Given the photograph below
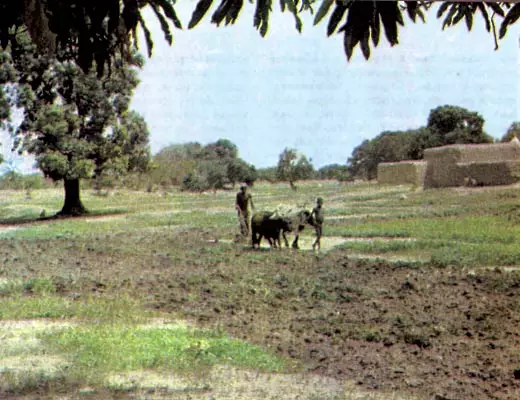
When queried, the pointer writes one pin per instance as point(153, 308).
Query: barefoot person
point(319, 217)
point(243, 200)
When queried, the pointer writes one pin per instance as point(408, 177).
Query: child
point(319, 217)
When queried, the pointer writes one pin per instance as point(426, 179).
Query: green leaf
point(388, 12)
point(164, 24)
point(469, 18)
point(170, 13)
point(460, 14)
point(511, 17)
point(365, 47)
point(411, 9)
point(292, 8)
point(221, 12)
point(496, 8)
point(228, 10)
point(261, 18)
point(234, 10)
point(485, 15)
point(421, 15)
point(449, 17)
point(199, 12)
point(336, 17)
point(357, 27)
point(442, 9)
point(323, 11)
point(399, 17)
point(147, 36)
point(375, 25)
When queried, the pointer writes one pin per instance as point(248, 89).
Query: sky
point(298, 90)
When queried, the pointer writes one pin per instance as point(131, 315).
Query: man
point(319, 218)
point(243, 200)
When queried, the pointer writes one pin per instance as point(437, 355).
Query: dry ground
point(365, 329)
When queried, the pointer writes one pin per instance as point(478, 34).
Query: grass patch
point(98, 350)
point(9, 287)
point(106, 309)
point(385, 246)
point(472, 255)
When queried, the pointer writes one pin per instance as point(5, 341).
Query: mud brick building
point(458, 165)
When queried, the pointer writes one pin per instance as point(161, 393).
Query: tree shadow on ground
point(32, 219)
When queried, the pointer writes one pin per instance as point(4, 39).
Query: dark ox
point(266, 224)
point(263, 224)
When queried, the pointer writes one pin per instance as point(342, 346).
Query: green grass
point(474, 229)
point(104, 309)
point(440, 221)
point(88, 272)
point(98, 350)
point(108, 336)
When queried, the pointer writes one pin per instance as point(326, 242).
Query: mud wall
point(458, 165)
point(401, 173)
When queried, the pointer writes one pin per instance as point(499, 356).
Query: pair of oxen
point(273, 225)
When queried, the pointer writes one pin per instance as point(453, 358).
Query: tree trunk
point(293, 186)
point(72, 205)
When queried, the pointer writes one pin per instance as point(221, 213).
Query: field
point(414, 295)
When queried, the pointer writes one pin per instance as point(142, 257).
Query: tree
point(334, 171)
point(132, 153)
point(200, 168)
point(219, 164)
point(293, 166)
point(450, 125)
point(223, 150)
point(512, 132)
point(76, 125)
point(95, 33)
point(173, 163)
point(268, 174)
point(386, 147)
point(240, 171)
point(214, 173)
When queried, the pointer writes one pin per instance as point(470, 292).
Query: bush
point(16, 181)
point(194, 182)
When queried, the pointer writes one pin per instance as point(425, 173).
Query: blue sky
point(297, 90)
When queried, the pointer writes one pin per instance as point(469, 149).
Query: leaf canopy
point(93, 32)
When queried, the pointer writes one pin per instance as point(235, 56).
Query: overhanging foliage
point(93, 33)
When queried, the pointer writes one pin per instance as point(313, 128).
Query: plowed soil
point(437, 333)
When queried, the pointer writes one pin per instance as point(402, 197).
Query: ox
point(272, 225)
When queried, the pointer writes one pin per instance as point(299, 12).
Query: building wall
point(485, 164)
point(401, 173)
point(457, 165)
point(490, 174)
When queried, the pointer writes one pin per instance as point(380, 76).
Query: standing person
point(319, 217)
point(243, 200)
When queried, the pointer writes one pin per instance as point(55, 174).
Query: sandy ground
point(21, 357)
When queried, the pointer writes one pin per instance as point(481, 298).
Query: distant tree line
point(446, 125)
point(196, 167)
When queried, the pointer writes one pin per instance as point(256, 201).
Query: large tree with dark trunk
point(76, 125)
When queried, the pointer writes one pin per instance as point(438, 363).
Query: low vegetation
point(411, 291)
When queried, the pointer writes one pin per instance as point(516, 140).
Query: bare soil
point(443, 334)
point(435, 333)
